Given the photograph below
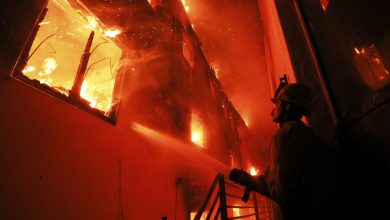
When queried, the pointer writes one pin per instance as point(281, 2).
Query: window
point(352, 39)
point(74, 57)
point(197, 131)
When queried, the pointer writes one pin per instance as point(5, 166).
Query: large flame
point(197, 131)
point(59, 45)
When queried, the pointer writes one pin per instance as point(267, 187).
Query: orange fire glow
point(236, 212)
point(324, 4)
point(57, 48)
point(92, 23)
point(246, 119)
point(357, 51)
point(203, 217)
point(112, 33)
point(186, 7)
point(216, 69)
point(197, 132)
point(253, 171)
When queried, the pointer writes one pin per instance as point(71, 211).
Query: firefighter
point(296, 176)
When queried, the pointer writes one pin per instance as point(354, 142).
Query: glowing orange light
point(92, 23)
point(324, 4)
point(236, 212)
point(48, 66)
point(253, 171)
point(86, 94)
point(112, 33)
point(28, 69)
point(59, 45)
point(357, 50)
point(186, 7)
point(44, 22)
point(216, 69)
point(203, 217)
point(246, 120)
point(197, 131)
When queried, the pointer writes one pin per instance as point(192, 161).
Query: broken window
point(74, 57)
point(370, 64)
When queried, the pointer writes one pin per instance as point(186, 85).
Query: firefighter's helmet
point(295, 93)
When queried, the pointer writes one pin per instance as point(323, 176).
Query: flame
point(246, 120)
point(196, 131)
point(85, 93)
point(216, 69)
point(44, 22)
point(357, 50)
point(56, 61)
point(48, 66)
point(48, 81)
point(112, 33)
point(28, 69)
point(186, 7)
point(253, 171)
point(324, 4)
point(203, 217)
point(92, 23)
point(236, 212)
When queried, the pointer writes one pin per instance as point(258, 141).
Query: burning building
point(139, 76)
point(119, 109)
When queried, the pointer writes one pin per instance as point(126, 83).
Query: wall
point(351, 111)
point(60, 162)
point(278, 57)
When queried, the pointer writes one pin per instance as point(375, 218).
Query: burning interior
point(60, 61)
point(147, 56)
point(74, 56)
point(184, 86)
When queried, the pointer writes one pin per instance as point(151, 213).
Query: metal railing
point(218, 196)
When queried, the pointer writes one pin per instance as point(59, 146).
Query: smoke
point(231, 33)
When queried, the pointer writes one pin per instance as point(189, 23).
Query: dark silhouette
point(298, 173)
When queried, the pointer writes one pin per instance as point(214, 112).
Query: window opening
point(197, 131)
point(75, 57)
